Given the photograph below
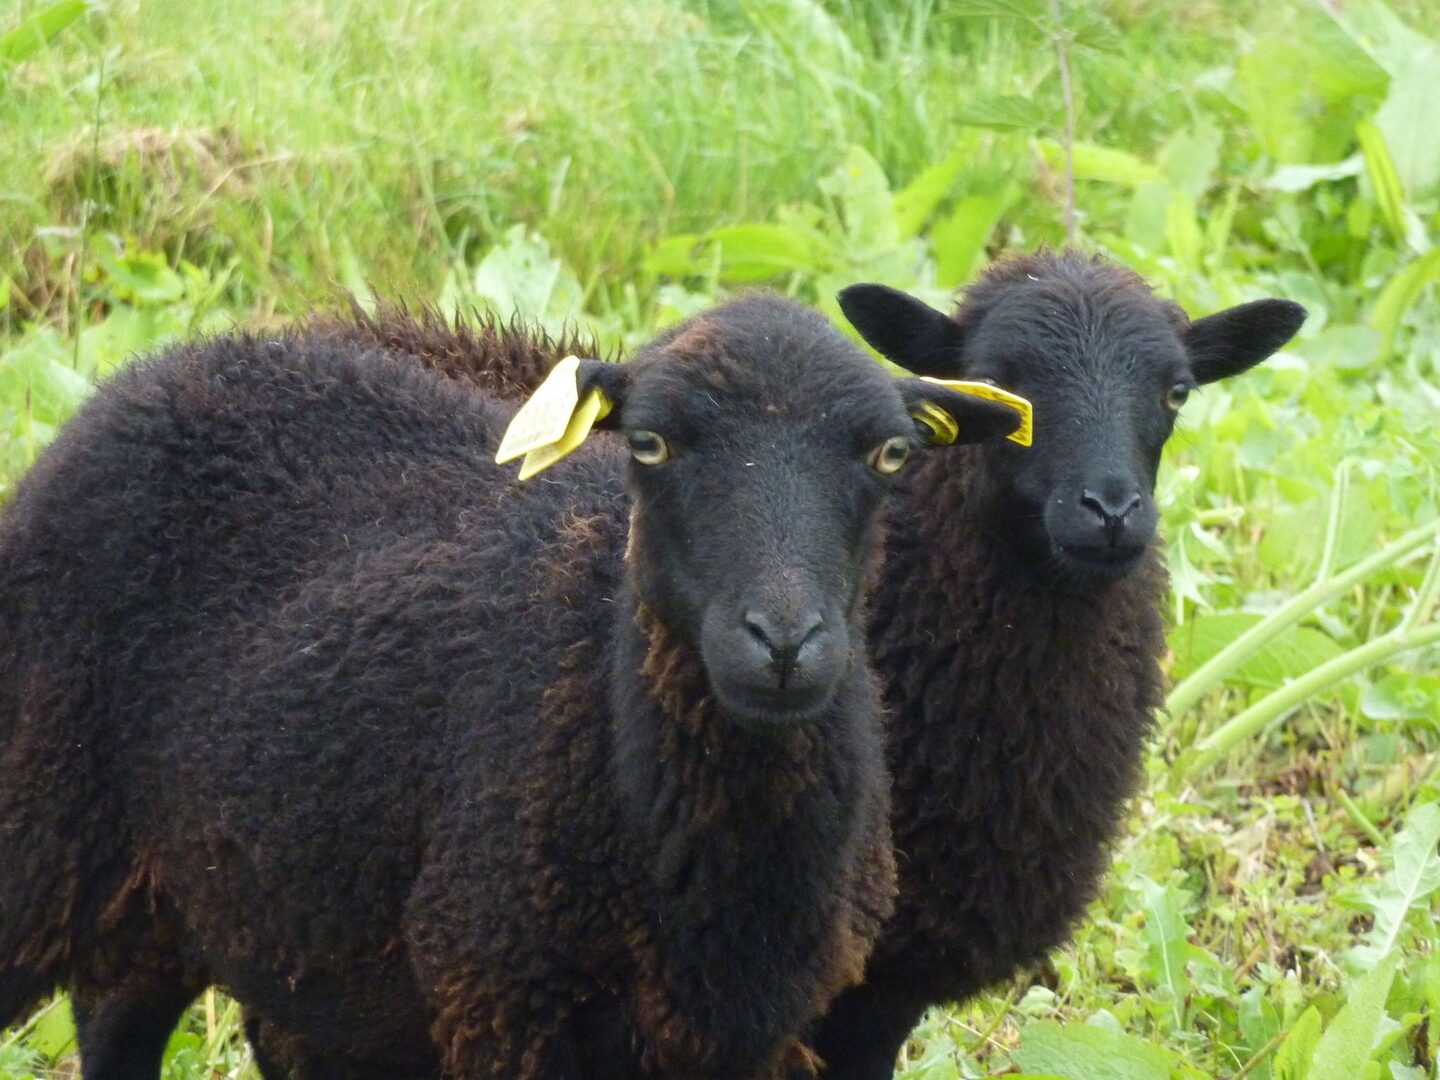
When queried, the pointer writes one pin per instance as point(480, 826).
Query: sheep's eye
point(890, 455)
point(1176, 396)
point(648, 448)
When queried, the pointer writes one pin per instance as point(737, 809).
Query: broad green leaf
point(1004, 112)
point(917, 200)
point(1147, 218)
point(519, 276)
point(960, 238)
point(1345, 1047)
point(1414, 874)
point(1293, 178)
point(1406, 119)
point(1182, 232)
point(39, 373)
point(1103, 163)
point(751, 253)
point(1380, 32)
point(1401, 696)
point(1274, 100)
point(1292, 1060)
point(1344, 346)
point(1190, 157)
point(53, 1033)
point(1287, 657)
point(1086, 1052)
point(142, 278)
point(1259, 1024)
point(33, 33)
point(862, 193)
point(1186, 579)
point(683, 255)
point(1165, 935)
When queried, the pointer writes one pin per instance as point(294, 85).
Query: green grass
point(174, 167)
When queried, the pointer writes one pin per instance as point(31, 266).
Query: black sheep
point(1016, 625)
point(301, 696)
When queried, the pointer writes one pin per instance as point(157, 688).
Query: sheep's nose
point(786, 641)
point(1111, 511)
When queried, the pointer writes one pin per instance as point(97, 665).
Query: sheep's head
point(1107, 366)
point(762, 443)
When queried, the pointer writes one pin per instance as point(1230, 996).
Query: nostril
point(1093, 504)
point(1134, 502)
point(760, 629)
point(813, 625)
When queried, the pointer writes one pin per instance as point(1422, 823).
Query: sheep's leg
point(278, 1057)
point(20, 989)
point(122, 1034)
point(266, 1060)
point(861, 1036)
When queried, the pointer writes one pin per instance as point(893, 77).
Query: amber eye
point(1176, 396)
point(648, 448)
point(890, 455)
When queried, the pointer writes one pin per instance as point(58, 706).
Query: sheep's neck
point(1019, 714)
point(745, 844)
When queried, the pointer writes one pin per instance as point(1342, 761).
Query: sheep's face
point(763, 443)
point(1107, 367)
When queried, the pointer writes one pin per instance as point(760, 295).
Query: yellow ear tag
point(1021, 434)
point(553, 422)
point(943, 428)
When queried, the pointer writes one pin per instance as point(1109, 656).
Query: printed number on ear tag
point(1021, 434)
point(553, 422)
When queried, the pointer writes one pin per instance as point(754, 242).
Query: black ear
point(1238, 338)
point(904, 329)
point(975, 419)
point(612, 380)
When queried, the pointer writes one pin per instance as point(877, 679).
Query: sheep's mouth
point(1103, 562)
point(772, 712)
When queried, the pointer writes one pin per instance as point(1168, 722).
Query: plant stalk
point(1256, 718)
point(1062, 54)
point(1220, 666)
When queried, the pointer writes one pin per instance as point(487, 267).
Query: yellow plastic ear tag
point(553, 422)
point(1021, 434)
point(943, 428)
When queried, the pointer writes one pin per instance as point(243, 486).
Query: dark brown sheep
point(302, 696)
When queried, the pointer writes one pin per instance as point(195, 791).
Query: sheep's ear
point(575, 397)
point(945, 417)
point(611, 380)
point(1238, 338)
point(904, 329)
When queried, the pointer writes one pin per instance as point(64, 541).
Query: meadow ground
point(174, 166)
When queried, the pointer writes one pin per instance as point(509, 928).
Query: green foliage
point(25, 40)
point(1402, 895)
point(1095, 1052)
point(617, 167)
